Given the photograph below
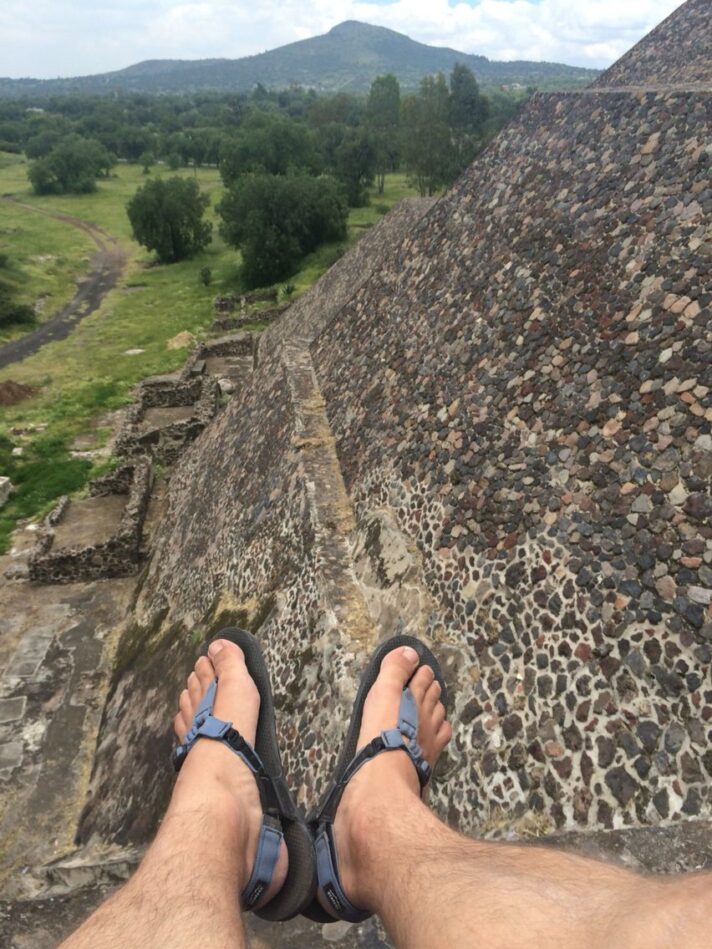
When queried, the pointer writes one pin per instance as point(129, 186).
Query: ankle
point(376, 818)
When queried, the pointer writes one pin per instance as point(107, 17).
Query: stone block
point(12, 710)
point(10, 755)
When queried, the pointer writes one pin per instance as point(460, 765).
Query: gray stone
point(10, 755)
point(675, 738)
point(700, 595)
point(11, 710)
point(6, 489)
point(623, 786)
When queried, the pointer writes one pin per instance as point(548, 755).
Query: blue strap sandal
point(402, 737)
point(281, 818)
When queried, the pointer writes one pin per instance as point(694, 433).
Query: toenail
point(410, 654)
point(214, 648)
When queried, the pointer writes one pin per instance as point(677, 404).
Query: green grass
point(46, 256)
point(40, 477)
point(89, 373)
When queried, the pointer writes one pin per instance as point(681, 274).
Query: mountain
point(347, 58)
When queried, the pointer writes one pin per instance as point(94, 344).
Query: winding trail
point(107, 265)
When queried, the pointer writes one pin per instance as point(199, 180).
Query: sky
point(50, 38)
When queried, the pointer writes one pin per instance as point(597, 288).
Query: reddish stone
point(583, 652)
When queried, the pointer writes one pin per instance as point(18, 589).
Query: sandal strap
point(327, 868)
point(403, 737)
point(268, 845)
point(274, 795)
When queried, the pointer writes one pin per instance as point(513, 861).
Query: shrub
point(72, 166)
point(167, 217)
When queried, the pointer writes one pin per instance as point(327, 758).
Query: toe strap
point(393, 739)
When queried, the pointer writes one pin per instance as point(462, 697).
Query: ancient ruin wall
point(677, 52)
point(526, 394)
point(118, 555)
point(165, 442)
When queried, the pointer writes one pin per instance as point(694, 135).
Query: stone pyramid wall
point(489, 425)
point(677, 52)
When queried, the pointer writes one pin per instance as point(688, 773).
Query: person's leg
point(434, 888)
point(186, 892)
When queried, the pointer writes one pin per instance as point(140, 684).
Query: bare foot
point(380, 783)
point(213, 775)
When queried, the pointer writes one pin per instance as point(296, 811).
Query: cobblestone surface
point(677, 51)
point(528, 392)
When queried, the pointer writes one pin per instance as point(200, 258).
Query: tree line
point(292, 162)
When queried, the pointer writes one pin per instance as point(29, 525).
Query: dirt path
point(107, 265)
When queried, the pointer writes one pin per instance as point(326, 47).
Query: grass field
point(82, 377)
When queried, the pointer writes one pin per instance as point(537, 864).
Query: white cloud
point(88, 36)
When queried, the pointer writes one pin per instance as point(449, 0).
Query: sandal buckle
point(213, 727)
point(392, 738)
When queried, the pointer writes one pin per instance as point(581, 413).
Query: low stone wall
point(118, 481)
point(227, 324)
point(166, 392)
point(229, 303)
point(166, 443)
point(120, 555)
point(236, 344)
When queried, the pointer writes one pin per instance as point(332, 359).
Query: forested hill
point(348, 58)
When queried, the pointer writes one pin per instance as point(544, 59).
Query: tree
point(167, 217)
point(426, 143)
point(355, 162)
point(147, 161)
point(276, 219)
point(329, 138)
point(468, 112)
point(270, 144)
point(384, 121)
point(340, 108)
point(42, 144)
point(72, 166)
